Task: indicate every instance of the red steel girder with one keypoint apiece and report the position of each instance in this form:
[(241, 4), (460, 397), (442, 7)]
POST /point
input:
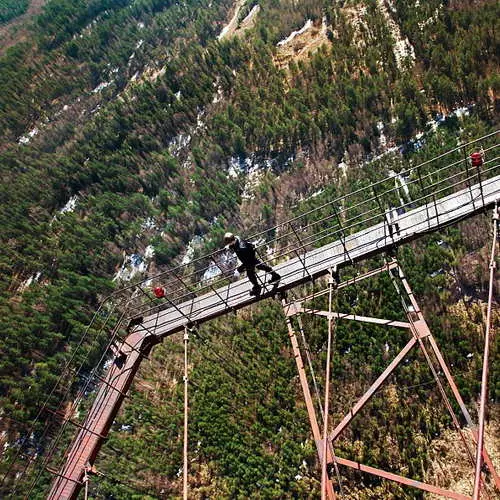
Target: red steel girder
[(308, 399), (371, 391), (401, 479), (422, 326), (355, 317), (89, 440)]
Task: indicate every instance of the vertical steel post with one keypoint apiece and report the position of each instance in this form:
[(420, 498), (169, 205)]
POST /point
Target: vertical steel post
[(185, 465), (324, 473), (307, 393), (484, 377)]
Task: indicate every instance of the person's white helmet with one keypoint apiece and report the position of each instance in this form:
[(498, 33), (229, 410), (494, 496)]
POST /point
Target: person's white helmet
[(229, 238)]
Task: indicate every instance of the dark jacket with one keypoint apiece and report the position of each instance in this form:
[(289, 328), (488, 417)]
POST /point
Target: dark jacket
[(245, 251)]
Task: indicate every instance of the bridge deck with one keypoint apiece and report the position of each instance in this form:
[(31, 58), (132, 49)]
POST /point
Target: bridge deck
[(317, 262)]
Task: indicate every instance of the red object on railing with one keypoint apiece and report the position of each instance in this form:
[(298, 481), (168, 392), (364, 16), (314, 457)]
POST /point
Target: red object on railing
[(476, 159), (159, 292)]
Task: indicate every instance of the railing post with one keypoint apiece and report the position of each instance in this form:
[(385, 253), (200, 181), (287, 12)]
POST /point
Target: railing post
[(484, 377), (186, 409)]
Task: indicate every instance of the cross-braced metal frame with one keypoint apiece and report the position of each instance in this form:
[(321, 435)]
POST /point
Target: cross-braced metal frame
[(421, 337)]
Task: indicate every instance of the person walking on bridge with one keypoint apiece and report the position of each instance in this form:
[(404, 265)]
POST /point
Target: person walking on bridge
[(245, 251)]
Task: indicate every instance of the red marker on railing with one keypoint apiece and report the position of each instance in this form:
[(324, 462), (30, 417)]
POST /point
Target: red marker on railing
[(476, 159)]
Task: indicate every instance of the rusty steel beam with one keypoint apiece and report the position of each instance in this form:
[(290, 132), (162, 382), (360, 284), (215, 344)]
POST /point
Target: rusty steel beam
[(371, 391), (401, 479), (422, 326), (420, 331), (355, 317), (83, 451), (307, 398)]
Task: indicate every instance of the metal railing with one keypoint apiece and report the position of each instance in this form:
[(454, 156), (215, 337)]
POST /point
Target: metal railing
[(367, 206)]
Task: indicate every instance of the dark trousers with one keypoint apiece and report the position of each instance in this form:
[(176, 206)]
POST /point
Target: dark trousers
[(250, 269)]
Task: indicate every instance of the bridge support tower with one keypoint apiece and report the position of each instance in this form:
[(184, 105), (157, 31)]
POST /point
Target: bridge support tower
[(420, 337)]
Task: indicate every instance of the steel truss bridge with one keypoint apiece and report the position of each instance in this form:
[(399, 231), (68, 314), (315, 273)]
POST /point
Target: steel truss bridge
[(374, 219)]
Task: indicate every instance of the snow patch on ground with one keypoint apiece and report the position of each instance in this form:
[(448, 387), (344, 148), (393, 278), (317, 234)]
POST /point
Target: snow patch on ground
[(101, 87), (461, 112), (431, 19), (311, 196), (149, 253), (134, 264), (343, 168), (254, 176), (178, 143), (212, 272), (389, 151), (200, 124), (28, 282), (292, 35), (195, 243), (70, 205), (383, 138), (149, 224), (400, 182), (238, 165), (403, 49), (25, 139), (218, 95), (225, 263)]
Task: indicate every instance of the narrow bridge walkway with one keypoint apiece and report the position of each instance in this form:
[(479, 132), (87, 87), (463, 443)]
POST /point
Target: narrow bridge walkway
[(309, 265)]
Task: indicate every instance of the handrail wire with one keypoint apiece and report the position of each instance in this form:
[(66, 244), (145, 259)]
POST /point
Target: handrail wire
[(372, 229), (336, 201), (484, 377)]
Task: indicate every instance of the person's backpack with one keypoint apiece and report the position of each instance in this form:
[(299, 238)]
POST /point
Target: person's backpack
[(248, 244)]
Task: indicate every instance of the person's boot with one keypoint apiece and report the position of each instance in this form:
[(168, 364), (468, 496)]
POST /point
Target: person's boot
[(275, 277), (255, 291)]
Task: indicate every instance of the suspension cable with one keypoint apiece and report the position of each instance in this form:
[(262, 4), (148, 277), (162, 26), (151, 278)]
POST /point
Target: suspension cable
[(327, 391), (484, 378), (185, 452)]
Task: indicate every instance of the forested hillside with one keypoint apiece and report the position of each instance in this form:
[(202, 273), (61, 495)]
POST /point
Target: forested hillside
[(134, 133)]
